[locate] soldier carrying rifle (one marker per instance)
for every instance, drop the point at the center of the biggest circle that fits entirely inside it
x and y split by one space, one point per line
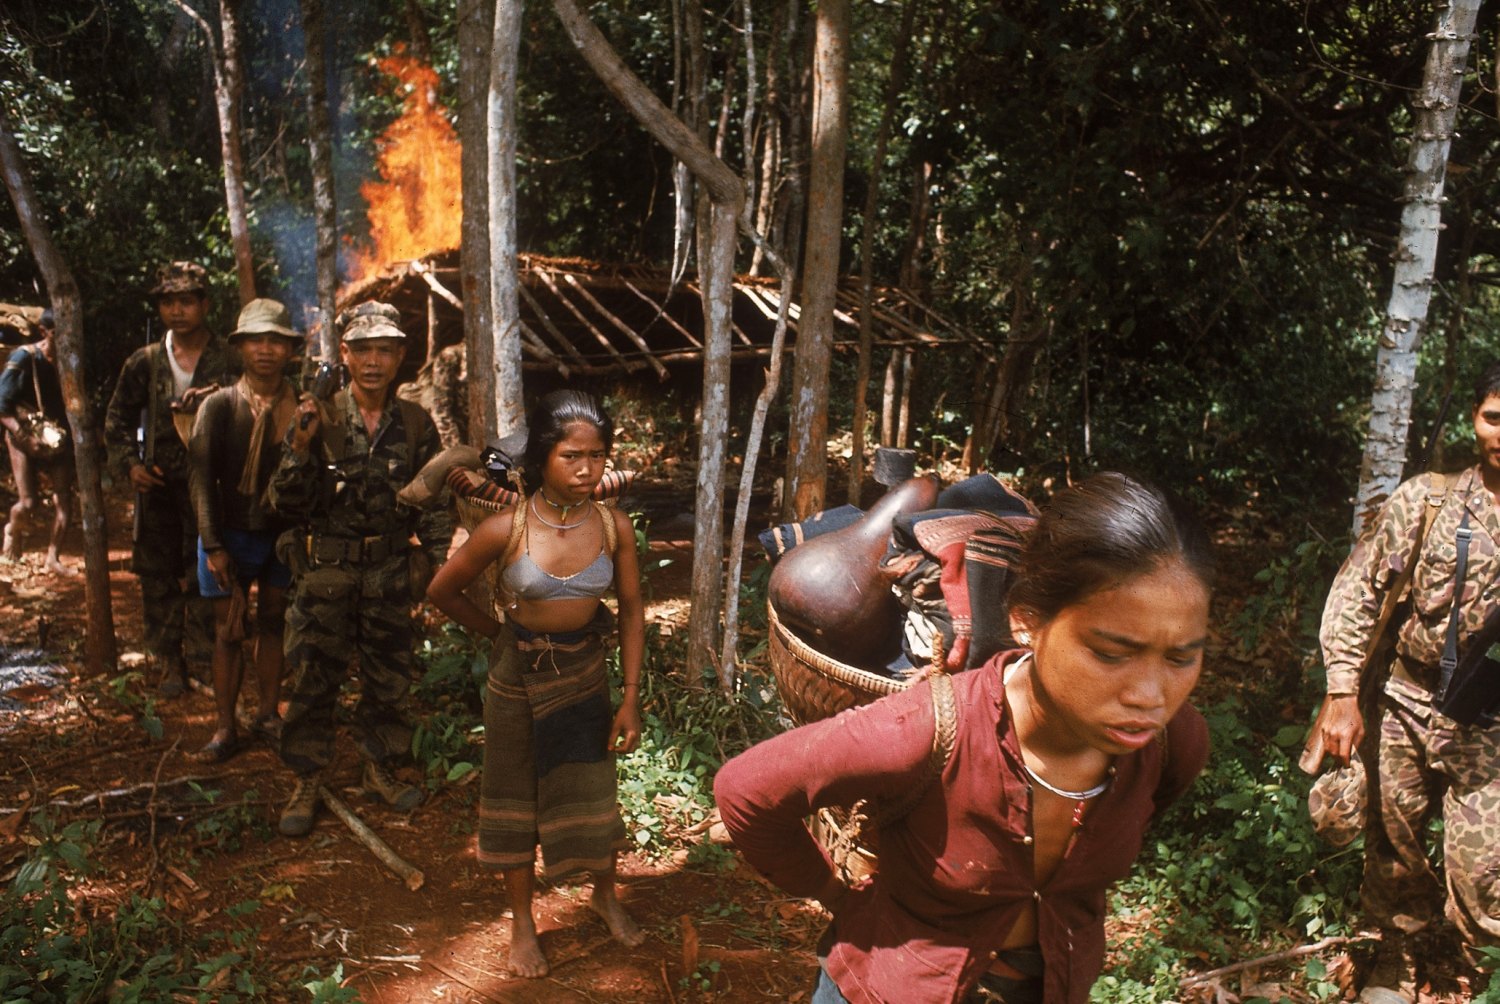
146 429
1446 530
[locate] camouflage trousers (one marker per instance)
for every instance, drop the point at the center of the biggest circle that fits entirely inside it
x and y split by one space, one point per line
338 613
1429 764
165 558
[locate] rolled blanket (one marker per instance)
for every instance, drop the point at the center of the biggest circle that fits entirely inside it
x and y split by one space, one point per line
424 489
780 539
475 488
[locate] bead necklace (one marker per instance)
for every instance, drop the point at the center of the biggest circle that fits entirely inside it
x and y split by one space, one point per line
562 527
1079 798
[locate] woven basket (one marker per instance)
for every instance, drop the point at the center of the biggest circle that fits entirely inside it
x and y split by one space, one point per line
472 511
812 685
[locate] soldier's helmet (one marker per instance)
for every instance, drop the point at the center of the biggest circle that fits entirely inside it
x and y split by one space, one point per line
371 319
181 277
1339 802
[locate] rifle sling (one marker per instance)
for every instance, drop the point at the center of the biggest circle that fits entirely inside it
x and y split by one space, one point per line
1449 661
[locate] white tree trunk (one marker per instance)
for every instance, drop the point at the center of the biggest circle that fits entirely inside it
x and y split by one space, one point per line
225 60
1436 108
508 407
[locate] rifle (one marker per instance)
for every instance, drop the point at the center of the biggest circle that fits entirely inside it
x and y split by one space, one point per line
329 379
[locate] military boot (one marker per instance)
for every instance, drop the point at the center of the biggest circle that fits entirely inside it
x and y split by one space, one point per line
1394 978
380 781
173 681
297 817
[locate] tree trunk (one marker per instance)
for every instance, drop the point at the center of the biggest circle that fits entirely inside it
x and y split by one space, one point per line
475 36
506 412
224 57
62 292
1416 254
716 281
729 660
867 250
807 460
416 31
161 99
320 149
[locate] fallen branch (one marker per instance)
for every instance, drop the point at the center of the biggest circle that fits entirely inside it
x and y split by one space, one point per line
151 811
1203 979
412 876
135 789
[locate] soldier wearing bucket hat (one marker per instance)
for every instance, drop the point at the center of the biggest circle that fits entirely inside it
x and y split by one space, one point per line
265 317
355 570
146 429
236 444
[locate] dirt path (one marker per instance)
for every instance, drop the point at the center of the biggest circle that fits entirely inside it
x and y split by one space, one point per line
326 901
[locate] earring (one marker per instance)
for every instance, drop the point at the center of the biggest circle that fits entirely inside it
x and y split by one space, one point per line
1023 638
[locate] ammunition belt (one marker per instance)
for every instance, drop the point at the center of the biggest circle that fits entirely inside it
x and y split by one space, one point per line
327 549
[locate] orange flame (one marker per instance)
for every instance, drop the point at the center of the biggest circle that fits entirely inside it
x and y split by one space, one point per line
416 208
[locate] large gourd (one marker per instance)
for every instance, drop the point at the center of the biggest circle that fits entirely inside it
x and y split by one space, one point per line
831 591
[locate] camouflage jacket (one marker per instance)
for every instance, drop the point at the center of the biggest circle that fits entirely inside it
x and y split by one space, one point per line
355 495
1368 573
146 387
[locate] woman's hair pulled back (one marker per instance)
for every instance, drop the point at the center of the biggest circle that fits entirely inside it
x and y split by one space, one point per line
1100 533
548 425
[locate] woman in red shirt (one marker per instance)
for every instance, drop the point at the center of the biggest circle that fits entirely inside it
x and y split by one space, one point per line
993 886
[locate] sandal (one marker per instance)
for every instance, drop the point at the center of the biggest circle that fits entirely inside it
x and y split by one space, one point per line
218 750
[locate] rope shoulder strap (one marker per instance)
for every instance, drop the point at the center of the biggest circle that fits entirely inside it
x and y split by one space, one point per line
944 733
503 596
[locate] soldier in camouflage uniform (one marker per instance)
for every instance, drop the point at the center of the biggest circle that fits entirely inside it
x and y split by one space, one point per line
1427 763
351 559
145 432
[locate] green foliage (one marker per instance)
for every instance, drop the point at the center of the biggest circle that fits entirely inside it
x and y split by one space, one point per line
130 691
444 742
702 979
1489 963
55 945
330 989
226 828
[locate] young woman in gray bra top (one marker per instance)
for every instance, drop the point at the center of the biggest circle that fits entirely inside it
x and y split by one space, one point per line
550 734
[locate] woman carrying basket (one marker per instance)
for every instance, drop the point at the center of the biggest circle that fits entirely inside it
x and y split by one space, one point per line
550 736
991 886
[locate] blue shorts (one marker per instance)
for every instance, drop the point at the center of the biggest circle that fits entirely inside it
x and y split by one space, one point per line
254 556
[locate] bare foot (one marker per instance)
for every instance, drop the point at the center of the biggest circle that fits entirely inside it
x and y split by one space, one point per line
621 924
526 958
56 567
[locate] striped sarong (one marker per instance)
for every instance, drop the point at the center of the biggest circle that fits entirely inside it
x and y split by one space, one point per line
549 780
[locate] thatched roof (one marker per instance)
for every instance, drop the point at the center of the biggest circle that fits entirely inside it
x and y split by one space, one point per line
586 317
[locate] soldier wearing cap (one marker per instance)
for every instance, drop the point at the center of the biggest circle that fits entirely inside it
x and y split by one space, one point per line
28 385
146 429
352 560
236 444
